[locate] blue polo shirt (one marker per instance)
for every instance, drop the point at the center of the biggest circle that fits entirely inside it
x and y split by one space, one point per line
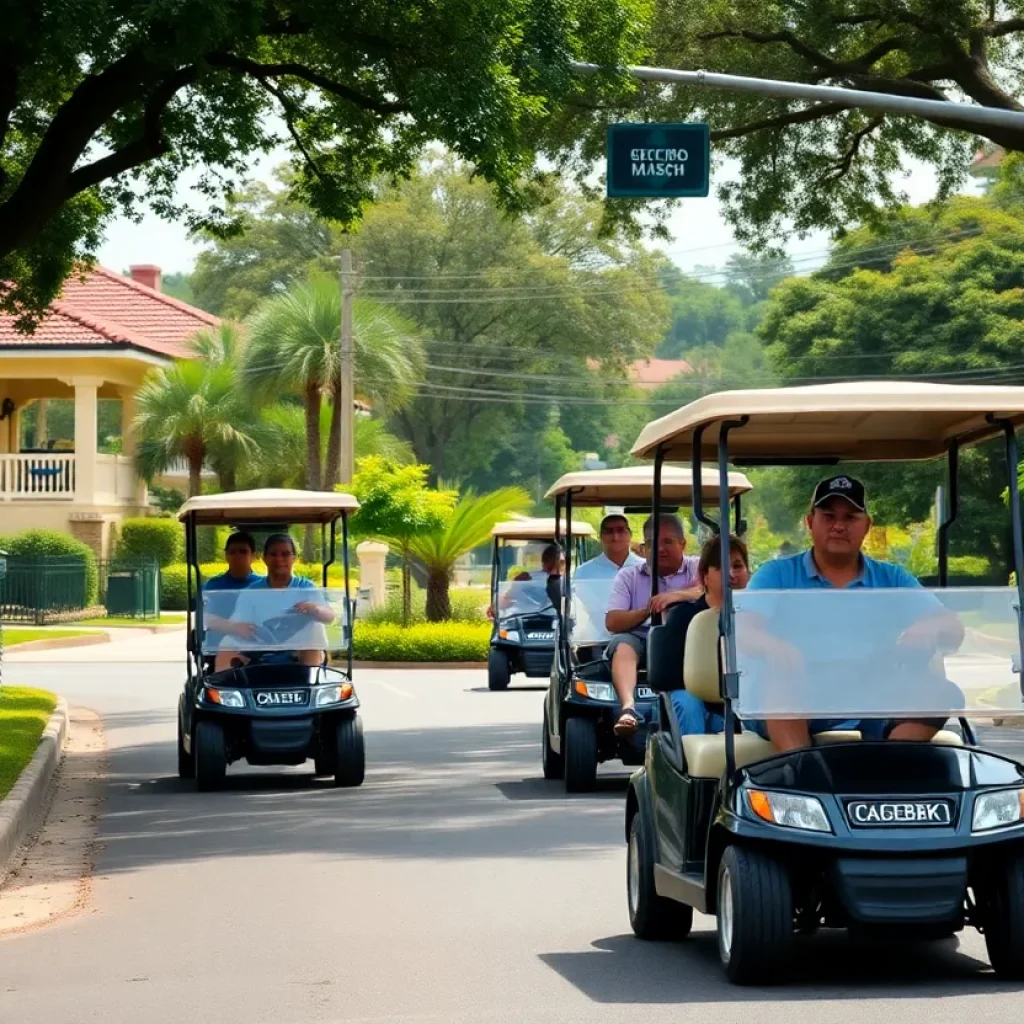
799 572
223 605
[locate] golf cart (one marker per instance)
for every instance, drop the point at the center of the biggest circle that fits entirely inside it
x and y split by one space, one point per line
260 684
522 607
896 838
581 706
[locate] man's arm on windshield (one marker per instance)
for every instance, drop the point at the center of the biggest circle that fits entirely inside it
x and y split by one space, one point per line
620 617
936 625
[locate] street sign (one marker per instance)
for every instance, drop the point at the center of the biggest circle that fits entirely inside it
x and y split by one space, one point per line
658 161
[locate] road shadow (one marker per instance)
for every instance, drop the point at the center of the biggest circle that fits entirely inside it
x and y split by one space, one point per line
606 787
525 688
463 792
827 966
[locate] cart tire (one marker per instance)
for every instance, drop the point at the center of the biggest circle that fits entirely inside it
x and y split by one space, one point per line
323 766
1004 919
754 917
211 755
552 763
651 916
186 761
499 670
350 766
579 748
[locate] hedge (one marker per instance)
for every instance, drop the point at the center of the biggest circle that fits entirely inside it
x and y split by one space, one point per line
54 544
441 641
162 539
173 580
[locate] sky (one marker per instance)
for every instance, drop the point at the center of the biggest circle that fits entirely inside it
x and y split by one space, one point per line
701 236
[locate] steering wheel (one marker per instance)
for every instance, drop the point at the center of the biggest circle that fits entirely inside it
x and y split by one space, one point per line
280 628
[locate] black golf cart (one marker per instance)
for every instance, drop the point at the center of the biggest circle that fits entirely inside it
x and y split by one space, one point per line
260 684
581 705
523 612
883 837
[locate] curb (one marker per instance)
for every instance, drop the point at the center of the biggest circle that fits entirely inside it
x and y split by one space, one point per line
63 641
22 808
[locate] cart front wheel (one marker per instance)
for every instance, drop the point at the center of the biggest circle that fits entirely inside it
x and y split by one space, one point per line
754 918
1004 919
499 670
650 916
552 763
350 764
211 755
580 750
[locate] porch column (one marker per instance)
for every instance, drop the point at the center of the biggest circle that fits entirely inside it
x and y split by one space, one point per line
129 410
86 429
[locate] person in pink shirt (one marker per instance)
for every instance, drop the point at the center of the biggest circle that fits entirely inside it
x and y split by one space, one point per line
630 607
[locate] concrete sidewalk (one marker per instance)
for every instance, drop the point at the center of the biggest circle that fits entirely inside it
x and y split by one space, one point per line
127 644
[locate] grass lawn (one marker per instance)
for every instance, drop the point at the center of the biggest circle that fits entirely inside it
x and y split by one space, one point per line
14 635
23 716
165 619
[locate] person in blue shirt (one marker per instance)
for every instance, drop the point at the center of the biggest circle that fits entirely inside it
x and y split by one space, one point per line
615 551
279 555
239 551
838 523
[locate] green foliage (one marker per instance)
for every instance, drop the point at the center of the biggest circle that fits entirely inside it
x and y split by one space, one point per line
162 539
395 503
436 641
114 101
467 604
54 544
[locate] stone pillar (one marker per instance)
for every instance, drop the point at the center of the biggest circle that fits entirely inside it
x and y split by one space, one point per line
371 555
86 447
129 410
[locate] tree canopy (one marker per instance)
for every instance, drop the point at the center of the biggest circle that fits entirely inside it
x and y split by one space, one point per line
104 105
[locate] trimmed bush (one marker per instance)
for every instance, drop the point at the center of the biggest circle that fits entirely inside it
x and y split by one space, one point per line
434 641
54 544
468 606
161 539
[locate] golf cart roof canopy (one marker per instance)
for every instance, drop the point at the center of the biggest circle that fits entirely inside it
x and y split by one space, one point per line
536 529
859 422
268 506
634 485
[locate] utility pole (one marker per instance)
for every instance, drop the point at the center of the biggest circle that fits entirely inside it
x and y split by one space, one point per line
348 394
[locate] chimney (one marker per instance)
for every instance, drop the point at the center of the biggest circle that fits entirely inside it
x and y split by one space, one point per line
147 274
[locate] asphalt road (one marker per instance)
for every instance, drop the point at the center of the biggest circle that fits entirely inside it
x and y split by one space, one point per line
454 886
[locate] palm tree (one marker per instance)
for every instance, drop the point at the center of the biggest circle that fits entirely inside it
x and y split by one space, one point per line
294 348
192 411
468 527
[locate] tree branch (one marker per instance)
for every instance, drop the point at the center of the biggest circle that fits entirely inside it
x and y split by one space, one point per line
996 29
845 162
289 113
231 62
150 145
798 47
803 116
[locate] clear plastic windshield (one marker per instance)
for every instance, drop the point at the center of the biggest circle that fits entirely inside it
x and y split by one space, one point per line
293 619
863 653
528 597
589 607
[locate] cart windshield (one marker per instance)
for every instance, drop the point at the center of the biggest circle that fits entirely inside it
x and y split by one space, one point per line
527 597
589 607
263 620
866 653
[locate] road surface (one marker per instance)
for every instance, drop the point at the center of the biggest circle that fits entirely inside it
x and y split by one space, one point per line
454 886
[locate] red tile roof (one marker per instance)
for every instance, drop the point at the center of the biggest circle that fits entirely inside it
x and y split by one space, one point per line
651 373
105 309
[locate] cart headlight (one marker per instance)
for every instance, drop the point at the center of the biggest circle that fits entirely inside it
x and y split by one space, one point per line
511 635
995 810
596 691
333 694
225 698
804 812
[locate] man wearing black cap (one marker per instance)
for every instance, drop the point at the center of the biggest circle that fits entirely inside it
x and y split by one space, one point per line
838 523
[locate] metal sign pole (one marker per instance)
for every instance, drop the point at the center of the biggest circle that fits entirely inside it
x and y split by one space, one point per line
945 110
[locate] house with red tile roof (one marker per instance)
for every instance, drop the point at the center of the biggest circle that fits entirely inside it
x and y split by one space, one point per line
92 349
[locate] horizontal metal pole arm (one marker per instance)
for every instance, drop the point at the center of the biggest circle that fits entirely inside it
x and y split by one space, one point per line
945 110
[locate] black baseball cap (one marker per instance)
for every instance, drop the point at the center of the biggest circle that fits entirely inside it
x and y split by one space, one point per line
841 487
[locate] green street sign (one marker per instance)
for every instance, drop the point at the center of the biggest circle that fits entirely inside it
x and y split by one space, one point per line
658 161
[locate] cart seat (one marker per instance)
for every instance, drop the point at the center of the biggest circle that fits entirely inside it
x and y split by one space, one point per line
705 755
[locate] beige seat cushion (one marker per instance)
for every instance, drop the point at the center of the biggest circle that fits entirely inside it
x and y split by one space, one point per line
705 755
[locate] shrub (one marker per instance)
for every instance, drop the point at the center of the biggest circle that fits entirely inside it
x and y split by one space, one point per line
433 641
54 544
162 539
468 606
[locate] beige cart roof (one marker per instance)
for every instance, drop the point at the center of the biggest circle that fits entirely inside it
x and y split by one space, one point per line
866 421
268 505
635 485
537 529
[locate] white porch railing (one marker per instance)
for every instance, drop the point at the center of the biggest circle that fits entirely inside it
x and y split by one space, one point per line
116 480
178 469
37 477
